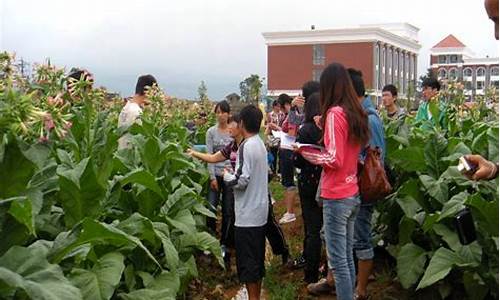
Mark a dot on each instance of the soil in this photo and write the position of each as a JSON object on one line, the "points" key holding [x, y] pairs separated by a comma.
{"points": [[215, 283]]}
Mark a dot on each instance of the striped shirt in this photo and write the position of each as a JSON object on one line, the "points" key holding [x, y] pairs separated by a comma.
{"points": [[339, 159]]}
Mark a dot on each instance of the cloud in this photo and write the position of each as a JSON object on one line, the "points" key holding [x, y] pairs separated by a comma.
{"points": [[219, 41]]}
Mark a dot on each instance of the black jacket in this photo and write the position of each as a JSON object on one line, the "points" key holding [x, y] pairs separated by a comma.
{"points": [[308, 133]]}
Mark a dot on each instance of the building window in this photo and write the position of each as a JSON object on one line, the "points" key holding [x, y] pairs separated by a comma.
{"points": [[317, 74], [467, 72], [319, 55], [453, 74], [480, 72], [494, 71], [468, 85], [454, 59], [480, 85], [442, 74], [442, 59], [494, 83]]}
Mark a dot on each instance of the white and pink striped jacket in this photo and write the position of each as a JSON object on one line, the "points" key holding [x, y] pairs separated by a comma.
{"points": [[339, 159]]}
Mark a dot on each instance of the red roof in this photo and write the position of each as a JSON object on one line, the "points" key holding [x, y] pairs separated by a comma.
{"points": [[449, 42]]}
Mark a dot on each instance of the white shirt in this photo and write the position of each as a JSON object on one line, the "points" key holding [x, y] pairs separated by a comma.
{"points": [[129, 115]]}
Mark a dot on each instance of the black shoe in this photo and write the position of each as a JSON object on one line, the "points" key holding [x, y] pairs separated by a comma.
{"points": [[299, 262], [285, 257]]}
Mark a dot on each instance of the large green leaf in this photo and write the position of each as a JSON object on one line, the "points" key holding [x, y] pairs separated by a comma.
{"points": [[474, 286], [171, 255], [202, 241], [140, 227], [493, 144], [440, 265], [469, 254], [183, 221], [409, 206], [411, 262], [437, 189], [101, 281], [453, 206], [95, 233], [485, 212], [22, 211], [410, 159], [143, 178], [15, 171], [28, 270], [406, 228], [433, 151], [80, 192], [183, 198]]}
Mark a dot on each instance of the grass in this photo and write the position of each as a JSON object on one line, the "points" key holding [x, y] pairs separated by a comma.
{"points": [[278, 289]]}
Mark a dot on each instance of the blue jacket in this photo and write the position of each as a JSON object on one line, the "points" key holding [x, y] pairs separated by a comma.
{"points": [[377, 138]]}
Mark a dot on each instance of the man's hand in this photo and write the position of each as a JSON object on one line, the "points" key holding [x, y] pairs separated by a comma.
{"points": [[485, 169], [298, 101], [214, 185]]}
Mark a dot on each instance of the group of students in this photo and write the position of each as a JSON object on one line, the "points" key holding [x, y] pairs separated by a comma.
{"points": [[338, 121], [336, 116]]}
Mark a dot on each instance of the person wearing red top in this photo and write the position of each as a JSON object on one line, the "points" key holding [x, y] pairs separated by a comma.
{"points": [[346, 129]]}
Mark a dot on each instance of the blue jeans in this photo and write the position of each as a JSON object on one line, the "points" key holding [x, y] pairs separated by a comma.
{"points": [[363, 246], [339, 217]]}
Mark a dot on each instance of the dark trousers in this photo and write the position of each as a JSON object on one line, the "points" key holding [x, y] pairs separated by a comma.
{"points": [[227, 228], [274, 166], [274, 234], [313, 221]]}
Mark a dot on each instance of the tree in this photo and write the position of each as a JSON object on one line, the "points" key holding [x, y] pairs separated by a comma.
{"points": [[202, 91], [430, 74], [251, 89]]}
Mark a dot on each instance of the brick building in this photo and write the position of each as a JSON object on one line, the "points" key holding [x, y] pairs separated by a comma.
{"points": [[385, 53], [452, 60]]}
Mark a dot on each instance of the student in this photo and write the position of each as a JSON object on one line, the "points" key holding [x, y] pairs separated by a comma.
{"points": [[132, 111], [363, 247], [308, 181], [275, 117], [287, 168], [274, 234], [345, 130], [389, 98], [430, 92], [217, 138], [251, 208], [75, 75]]}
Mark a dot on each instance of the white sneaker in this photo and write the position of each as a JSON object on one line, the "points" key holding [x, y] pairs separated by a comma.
{"points": [[287, 218], [242, 294], [272, 201]]}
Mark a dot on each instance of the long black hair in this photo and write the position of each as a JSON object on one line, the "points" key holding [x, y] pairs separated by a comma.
{"points": [[337, 90], [312, 107]]}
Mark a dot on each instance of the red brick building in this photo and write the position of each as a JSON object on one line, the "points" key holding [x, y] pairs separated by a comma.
{"points": [[453, 60], [385, 53]]}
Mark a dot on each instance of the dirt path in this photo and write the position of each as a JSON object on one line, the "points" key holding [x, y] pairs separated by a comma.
{"points": [[281, 283]]}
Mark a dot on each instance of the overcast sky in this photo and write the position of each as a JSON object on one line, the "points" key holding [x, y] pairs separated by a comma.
{"points": [[219, 41]]}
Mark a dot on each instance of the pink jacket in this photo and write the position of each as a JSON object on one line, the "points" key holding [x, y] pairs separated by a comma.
{"points": [[339, 159]]}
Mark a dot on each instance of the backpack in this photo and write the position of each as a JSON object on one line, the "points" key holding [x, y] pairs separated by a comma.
{"points": [[372, 179]]}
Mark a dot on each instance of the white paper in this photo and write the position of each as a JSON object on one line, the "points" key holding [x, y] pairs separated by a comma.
{"points": [[300, 145]]}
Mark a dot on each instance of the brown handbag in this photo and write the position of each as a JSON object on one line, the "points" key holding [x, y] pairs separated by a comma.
{"points": [[372, 180]]}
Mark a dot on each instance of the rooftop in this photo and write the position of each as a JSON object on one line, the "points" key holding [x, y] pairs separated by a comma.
{"points": [[449, 42]]}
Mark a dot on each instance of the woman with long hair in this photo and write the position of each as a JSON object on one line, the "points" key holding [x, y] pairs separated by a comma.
{"points": [[345, 131]]}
